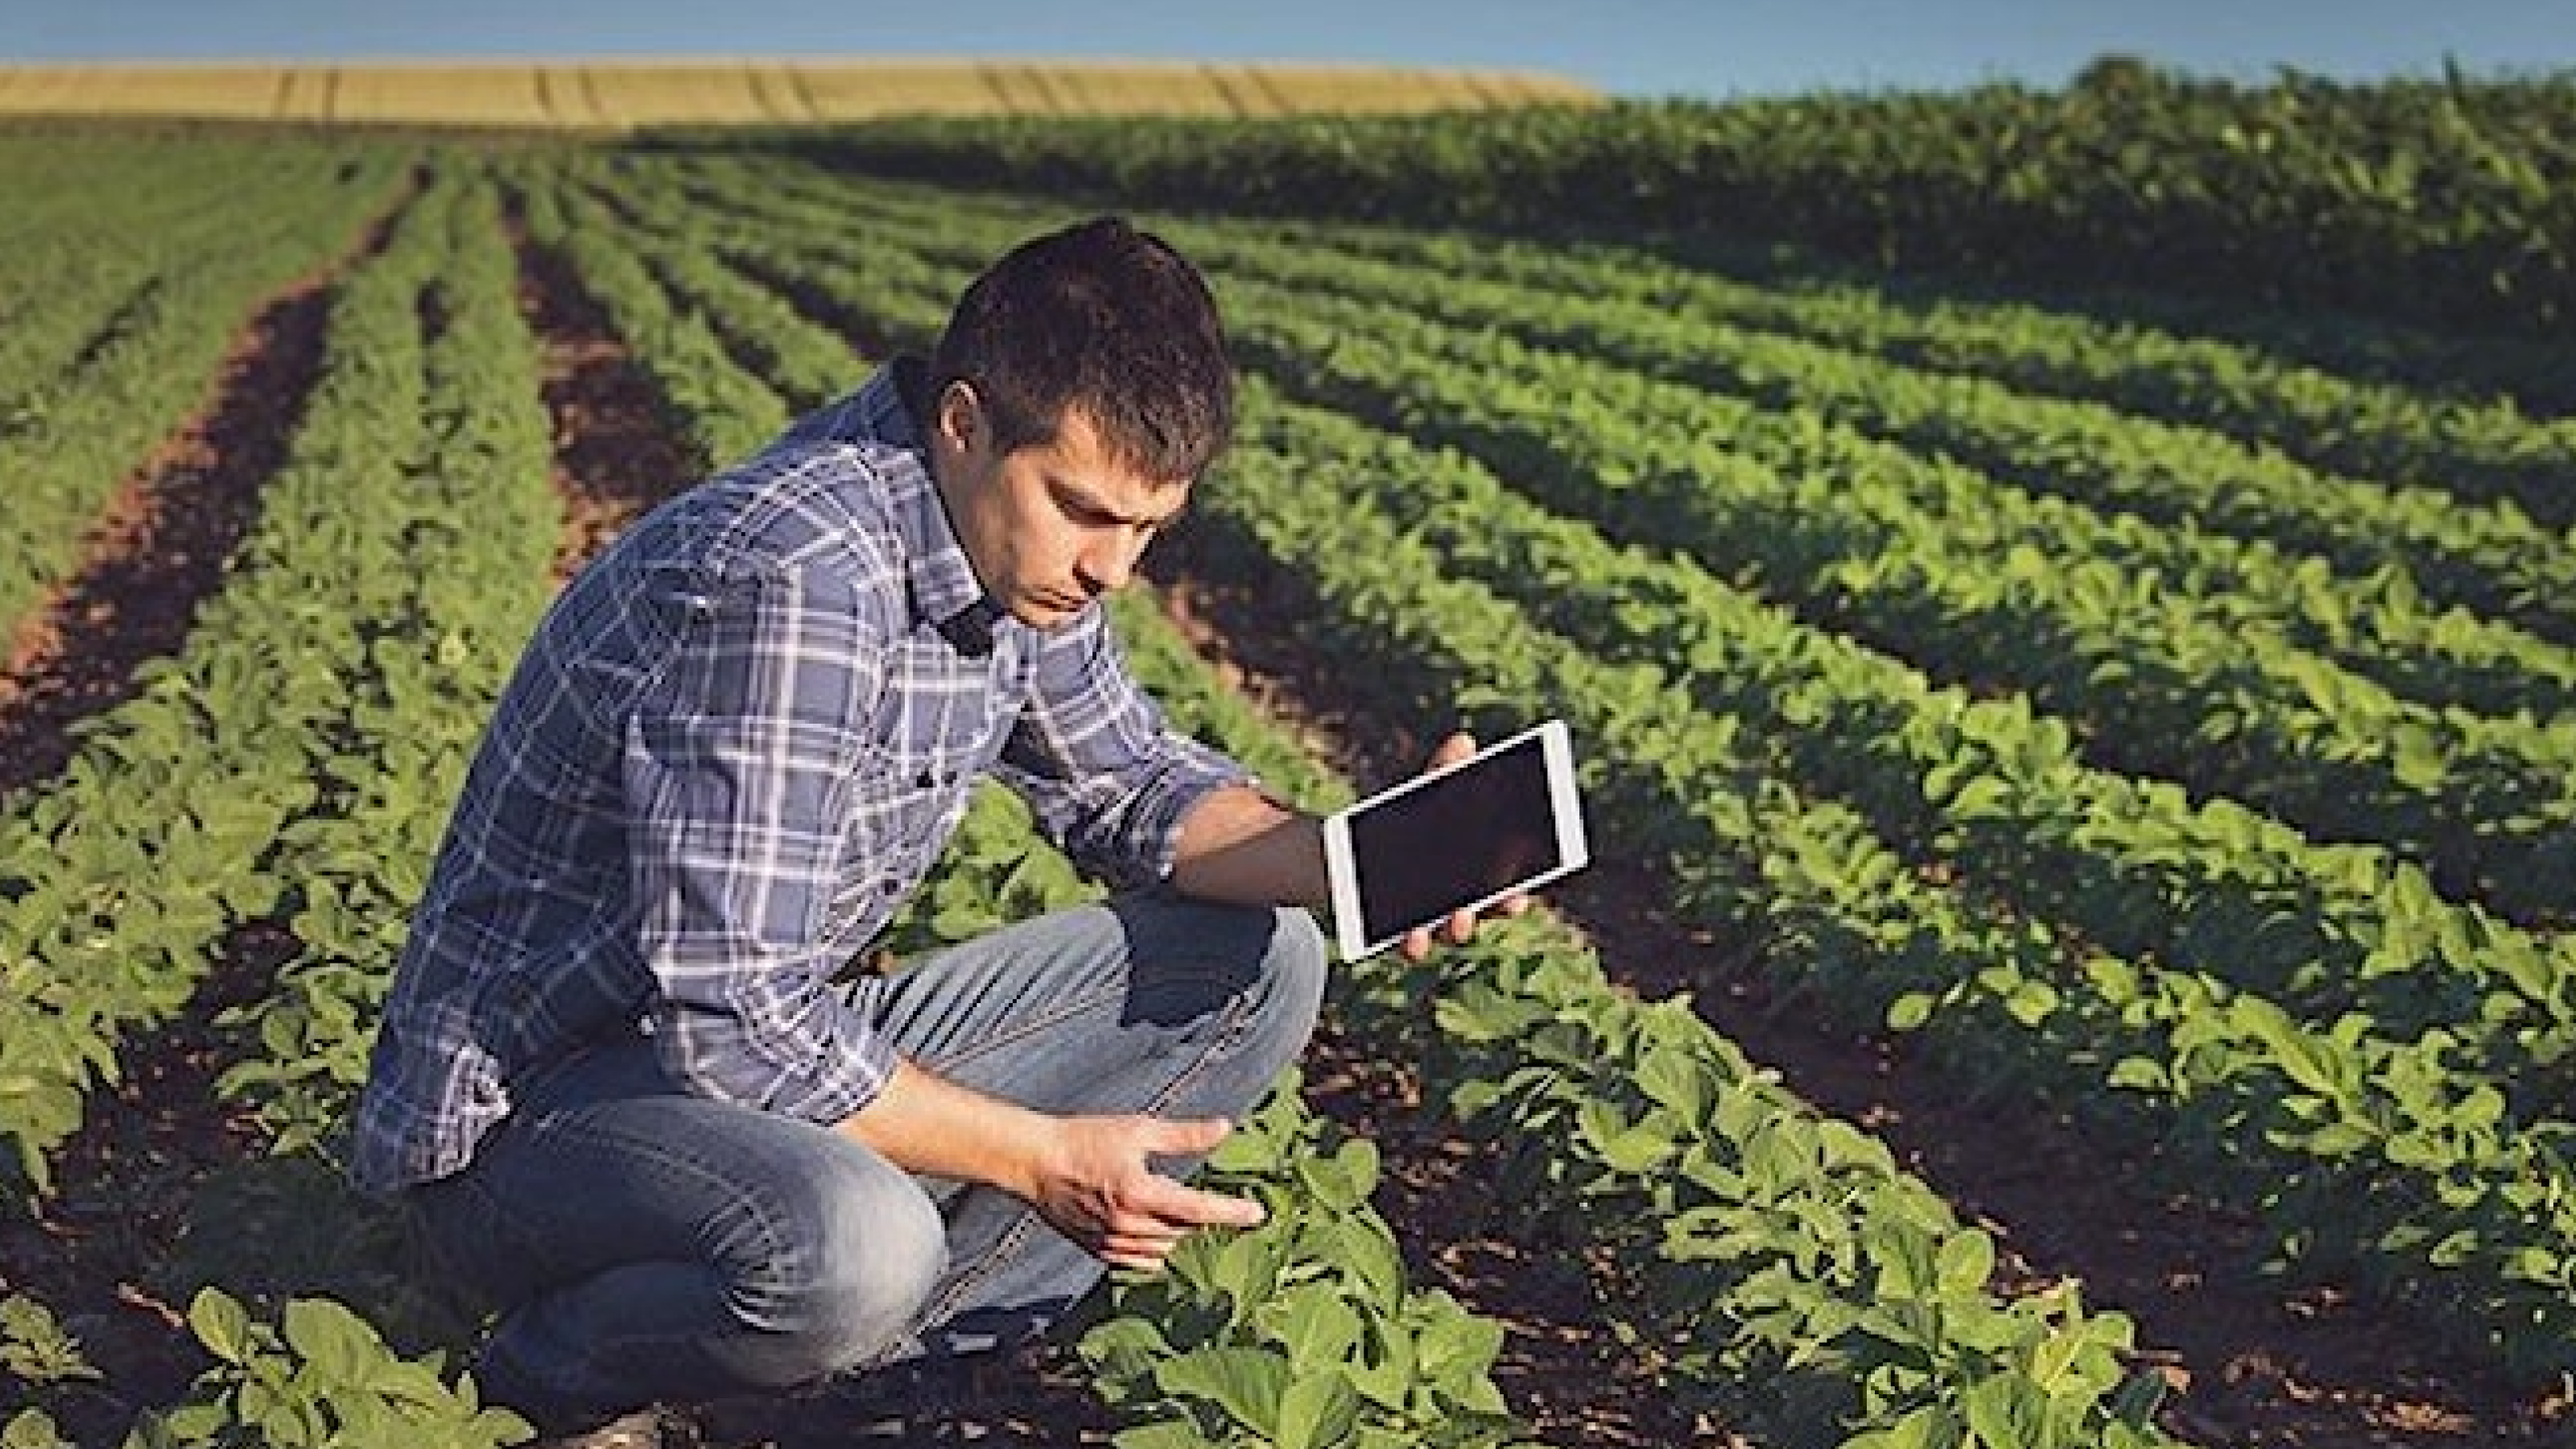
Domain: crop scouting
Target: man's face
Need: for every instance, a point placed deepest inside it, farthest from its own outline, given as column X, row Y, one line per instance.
column 1048, row 527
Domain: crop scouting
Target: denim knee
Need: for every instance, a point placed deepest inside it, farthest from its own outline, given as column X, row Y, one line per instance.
column 1290, row 994
column 867, row 1247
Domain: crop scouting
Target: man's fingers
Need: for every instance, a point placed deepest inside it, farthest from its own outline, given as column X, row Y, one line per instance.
column 1185, row 1136
column 1458, row 746
column 1164, row 1201
column 1137, row 1250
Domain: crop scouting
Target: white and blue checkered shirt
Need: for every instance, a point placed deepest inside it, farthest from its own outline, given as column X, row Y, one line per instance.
column 739, row 739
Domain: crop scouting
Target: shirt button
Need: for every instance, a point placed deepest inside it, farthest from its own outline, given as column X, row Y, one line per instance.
column 924, row 780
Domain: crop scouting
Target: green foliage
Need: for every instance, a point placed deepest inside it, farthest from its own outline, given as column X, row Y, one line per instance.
column 36, row 1349
column 1750, row 564
column 320, row 1378
column 1301, row 1334
column 2446, row 201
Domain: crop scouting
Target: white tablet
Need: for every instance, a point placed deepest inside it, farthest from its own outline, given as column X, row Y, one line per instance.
column 1505, row 819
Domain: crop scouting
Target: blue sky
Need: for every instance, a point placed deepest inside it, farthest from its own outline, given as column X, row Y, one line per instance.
column 1650, row 47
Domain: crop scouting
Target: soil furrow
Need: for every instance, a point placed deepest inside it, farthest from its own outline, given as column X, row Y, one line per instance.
column 161, row 546
column 615, row 455
column 103, row 1249
column 106, row 1251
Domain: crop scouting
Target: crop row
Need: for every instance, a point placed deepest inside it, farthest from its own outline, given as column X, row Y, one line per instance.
column 425, row 570
column 2442, row 200
column 2172, row 665
column 2491, row 558
column 1303, row 1331
column 2377, row 621
column 1590, row 305
column 2484, row 449
column 120, row 878
column 180, row 823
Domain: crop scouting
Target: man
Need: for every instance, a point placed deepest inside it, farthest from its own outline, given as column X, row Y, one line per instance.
column 622, row 1082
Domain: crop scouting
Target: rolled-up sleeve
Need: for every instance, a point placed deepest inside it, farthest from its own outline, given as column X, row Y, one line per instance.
column 1108, row 780
column 739, row 767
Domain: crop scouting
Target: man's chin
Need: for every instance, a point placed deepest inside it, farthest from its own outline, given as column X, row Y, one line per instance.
column 1047, row 615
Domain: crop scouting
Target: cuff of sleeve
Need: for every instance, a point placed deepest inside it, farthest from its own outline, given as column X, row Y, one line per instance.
column 1162, row 808
column 855, row 1071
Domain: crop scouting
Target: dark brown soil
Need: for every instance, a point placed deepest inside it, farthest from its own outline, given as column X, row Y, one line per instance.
column 615, row 455
column 95, row 1252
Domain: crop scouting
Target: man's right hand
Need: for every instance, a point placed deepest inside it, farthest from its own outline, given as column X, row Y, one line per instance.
column 1100, row 1189
column 1090, row 1177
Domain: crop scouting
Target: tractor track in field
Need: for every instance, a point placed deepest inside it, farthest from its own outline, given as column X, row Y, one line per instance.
column 2250, row 1364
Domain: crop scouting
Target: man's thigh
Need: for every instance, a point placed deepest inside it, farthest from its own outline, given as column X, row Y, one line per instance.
column 1140, row 1003
column 604, row 1164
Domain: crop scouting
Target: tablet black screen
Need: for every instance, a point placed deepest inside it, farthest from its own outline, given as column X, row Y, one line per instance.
column 1456, row 840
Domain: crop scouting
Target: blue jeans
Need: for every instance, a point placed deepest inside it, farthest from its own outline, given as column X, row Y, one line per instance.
column 643, row 1244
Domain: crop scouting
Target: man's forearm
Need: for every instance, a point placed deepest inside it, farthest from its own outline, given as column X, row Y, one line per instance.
column 1241, row 846
column 1091, row 1177
column 923, row 1123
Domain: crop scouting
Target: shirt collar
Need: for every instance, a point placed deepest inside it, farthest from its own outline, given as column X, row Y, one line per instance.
column 942, row 583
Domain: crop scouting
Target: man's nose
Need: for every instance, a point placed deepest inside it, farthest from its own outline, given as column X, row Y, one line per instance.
column 1110, row 561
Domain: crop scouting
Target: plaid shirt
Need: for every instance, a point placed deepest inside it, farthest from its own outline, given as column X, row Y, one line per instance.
column 739, row 739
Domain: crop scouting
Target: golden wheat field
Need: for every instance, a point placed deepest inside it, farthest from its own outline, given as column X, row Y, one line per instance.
column 617, row 95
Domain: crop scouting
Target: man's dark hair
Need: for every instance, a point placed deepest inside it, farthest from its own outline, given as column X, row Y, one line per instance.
column 1102, row 319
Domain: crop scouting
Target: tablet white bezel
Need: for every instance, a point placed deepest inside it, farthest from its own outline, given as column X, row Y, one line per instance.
column 1341, row 864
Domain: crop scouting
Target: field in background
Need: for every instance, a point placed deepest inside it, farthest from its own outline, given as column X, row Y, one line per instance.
column 601, row 95
column 2084, row 957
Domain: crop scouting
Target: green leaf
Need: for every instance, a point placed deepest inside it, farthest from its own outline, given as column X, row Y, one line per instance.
column 1317, row 1328
column 1369, row 1252
column 1358, row 1160
column 1247, row 1383
column 32, row 1429
column 1168, row 1434
column 221, row 1325
column 1965, row 1262
column 1909, row 1011
column 336, row 1342
column 1929, row 1427
column 1318, row 1409
column 1125, row 1347
column 2005, row 1411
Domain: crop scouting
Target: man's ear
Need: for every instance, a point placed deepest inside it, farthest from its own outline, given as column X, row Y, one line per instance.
column 960, row 416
